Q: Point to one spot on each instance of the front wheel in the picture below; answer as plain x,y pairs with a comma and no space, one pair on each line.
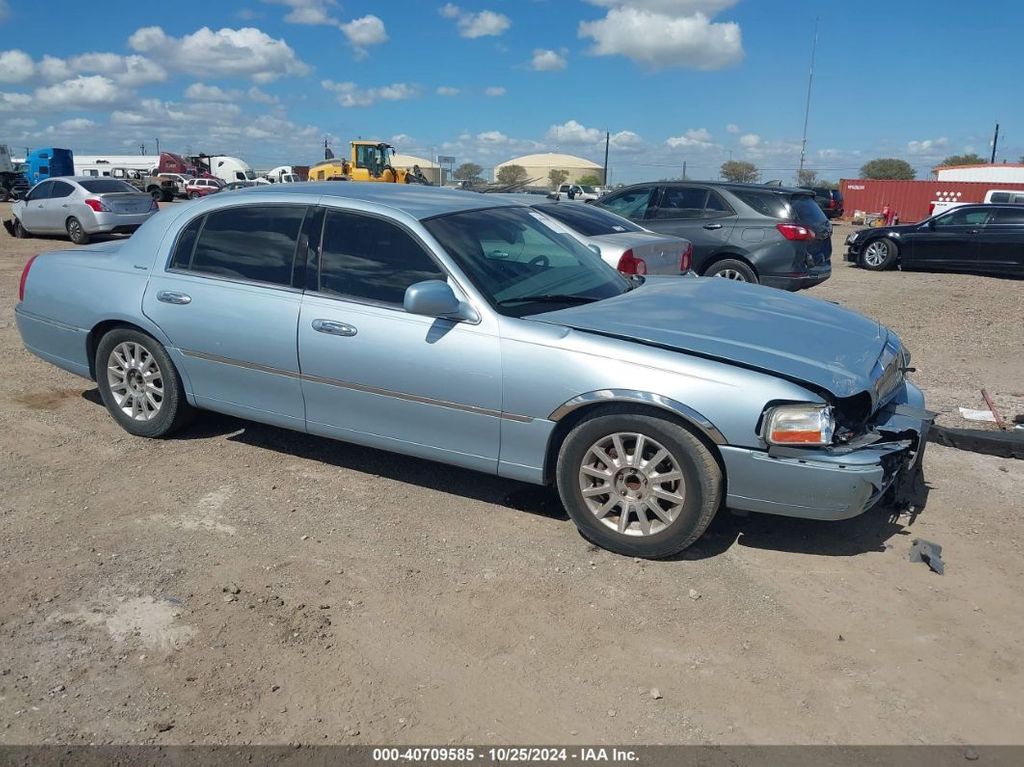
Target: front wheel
76,232
20,231
140,385
732,269
878,255
638,485
194,196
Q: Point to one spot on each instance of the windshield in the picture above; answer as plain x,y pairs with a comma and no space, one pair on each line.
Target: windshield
104,185
523,262
588,220
249,174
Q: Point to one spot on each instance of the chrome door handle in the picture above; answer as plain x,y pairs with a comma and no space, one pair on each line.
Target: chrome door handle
173,297
712,226
334,328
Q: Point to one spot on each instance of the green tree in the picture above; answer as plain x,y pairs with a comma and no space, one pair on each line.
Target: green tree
739,171
972,158
468,171
512,174
557,177
806,177
591,179
888,168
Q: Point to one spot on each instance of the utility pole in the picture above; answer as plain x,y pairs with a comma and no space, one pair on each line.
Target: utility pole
607,138
158,147
995,143
142,148
684,170
807,110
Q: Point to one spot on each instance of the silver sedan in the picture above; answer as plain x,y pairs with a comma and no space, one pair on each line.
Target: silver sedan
629,248
81,206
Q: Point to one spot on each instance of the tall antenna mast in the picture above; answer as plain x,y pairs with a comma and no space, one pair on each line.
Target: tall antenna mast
807,110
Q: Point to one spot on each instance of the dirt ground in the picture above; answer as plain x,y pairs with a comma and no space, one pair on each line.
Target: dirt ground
244,584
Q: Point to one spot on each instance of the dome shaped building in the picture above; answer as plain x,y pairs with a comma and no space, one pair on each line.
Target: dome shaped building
538,166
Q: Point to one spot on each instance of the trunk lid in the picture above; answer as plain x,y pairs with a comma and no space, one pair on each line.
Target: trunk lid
126,202
659,252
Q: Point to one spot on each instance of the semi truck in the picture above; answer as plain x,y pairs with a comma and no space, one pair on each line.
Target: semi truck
13,184
49,162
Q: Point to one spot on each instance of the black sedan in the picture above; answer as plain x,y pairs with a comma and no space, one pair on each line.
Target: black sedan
987,239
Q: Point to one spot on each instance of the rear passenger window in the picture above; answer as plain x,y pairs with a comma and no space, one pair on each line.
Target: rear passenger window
716,206
250,243
367,258
1000,197
182,257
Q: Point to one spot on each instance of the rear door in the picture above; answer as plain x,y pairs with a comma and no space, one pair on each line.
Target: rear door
1001,242
229,301
697,214
949,241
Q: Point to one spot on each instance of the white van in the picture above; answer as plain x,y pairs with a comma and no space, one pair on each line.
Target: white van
1001,196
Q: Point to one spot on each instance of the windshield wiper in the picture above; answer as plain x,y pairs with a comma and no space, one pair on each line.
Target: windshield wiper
549,298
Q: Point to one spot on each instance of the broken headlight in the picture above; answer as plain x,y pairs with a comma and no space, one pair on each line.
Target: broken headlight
799,425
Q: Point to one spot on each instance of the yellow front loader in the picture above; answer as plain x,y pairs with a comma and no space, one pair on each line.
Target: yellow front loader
369,161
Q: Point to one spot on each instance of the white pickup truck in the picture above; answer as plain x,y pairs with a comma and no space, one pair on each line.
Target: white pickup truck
1011,196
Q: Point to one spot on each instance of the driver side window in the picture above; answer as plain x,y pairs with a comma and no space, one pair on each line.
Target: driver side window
963,217
631,204
41,192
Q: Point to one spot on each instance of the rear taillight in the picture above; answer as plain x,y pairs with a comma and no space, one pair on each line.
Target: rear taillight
24,278
686,258
831,204
630,264
97,205
795,232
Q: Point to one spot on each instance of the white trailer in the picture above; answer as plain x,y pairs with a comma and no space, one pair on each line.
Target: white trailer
283,174
101,164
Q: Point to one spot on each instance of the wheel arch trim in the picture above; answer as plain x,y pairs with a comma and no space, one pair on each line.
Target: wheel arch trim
601,396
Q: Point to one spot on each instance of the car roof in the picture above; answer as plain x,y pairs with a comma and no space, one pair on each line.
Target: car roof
415,200
731,186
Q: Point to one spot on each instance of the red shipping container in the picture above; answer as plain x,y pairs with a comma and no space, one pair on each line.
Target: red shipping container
911,199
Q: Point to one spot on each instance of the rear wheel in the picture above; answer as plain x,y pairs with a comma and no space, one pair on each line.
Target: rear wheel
76,232
732,269
638,485
156,193
193,195
139,384
879,255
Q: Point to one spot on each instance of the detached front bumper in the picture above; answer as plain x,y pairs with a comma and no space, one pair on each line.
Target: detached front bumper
840,482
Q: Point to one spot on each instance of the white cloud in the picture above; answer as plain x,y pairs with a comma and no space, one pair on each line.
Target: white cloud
494,90
627,141
750,140
447,90
666,33
482,24
245,52
10,102
732,128
74,125
572,132
931,146
261,97
364,32
547,60
307,11
82,91
351,95
203,92
52,68
492,137
694,138
16,67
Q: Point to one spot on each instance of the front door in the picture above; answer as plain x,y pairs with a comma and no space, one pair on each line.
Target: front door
228,301
1001,242
33,215
57,209
949,241
376,375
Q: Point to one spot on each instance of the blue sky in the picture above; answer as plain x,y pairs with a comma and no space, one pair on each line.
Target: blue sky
698,81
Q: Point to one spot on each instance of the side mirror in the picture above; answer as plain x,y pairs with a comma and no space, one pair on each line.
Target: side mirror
435,298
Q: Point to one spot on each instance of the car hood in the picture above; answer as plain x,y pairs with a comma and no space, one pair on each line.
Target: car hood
887,231
793,336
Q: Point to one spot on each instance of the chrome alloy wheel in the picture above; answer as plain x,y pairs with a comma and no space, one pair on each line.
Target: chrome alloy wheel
876,253
135,381
632,484
731,274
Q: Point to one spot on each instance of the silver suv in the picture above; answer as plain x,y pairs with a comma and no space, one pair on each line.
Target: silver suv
747,232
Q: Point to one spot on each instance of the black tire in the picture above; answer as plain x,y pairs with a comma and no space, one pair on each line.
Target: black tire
156,193
193,195
702,478
878,261
167,196
732,268
174,411
4,195
19,231
76,232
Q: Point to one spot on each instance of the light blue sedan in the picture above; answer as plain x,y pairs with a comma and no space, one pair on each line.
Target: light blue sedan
403,319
